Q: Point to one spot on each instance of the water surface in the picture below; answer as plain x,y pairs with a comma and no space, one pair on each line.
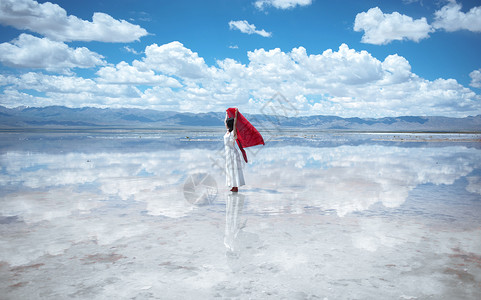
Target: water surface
145,214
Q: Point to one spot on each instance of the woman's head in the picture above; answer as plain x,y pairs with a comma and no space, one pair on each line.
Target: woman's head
229,124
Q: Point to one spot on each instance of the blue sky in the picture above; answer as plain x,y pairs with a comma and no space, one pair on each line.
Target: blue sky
344,58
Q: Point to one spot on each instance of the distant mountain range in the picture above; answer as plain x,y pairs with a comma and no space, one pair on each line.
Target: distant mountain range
56,117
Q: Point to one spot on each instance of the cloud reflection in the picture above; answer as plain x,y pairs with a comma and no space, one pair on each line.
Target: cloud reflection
345,178
352,178
85,196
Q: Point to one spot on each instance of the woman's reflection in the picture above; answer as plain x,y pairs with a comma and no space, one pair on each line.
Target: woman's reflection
233,223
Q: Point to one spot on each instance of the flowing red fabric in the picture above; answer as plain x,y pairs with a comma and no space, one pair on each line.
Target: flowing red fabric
247,135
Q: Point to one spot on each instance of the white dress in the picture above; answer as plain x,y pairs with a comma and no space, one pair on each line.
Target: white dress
233,163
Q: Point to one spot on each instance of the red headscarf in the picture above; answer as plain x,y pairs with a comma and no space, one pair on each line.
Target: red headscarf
247,135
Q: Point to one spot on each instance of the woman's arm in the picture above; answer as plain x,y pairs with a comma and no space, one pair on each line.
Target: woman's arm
235,125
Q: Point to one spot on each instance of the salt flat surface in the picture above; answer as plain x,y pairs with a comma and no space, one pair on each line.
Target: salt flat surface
146,215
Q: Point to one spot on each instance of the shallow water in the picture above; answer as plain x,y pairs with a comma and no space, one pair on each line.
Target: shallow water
145,214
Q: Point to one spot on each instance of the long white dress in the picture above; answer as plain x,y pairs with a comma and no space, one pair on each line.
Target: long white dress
233,163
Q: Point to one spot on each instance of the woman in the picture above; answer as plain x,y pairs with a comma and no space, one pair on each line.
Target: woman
233,164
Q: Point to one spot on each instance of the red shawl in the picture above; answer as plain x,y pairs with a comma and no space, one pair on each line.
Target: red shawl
247,135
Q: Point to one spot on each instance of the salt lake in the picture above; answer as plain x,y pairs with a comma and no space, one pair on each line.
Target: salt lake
145,214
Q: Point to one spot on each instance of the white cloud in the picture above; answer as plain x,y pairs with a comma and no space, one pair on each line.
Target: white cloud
133,51
380,28
71,91
396,70
52,21
28,51
451,18
342,82
124,73
52,83
475,78
281,4
174,59
245,27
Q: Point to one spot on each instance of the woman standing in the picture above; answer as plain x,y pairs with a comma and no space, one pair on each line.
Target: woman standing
233,164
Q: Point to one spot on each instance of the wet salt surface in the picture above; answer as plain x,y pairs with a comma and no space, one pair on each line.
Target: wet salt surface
145,215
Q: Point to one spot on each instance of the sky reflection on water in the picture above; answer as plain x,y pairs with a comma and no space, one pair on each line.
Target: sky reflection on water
117,200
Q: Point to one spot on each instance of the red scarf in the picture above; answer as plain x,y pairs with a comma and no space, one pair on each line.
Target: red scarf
247,135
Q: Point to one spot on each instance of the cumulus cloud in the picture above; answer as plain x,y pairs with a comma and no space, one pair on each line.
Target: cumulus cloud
71,91
28,51
451,18
342,82
124,73
281,4
52,21
380,28
244,27
174,59
475,78
52,83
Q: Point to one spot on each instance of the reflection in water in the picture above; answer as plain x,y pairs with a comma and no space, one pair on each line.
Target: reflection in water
353,178
233,224
382,220
292,178
241,245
